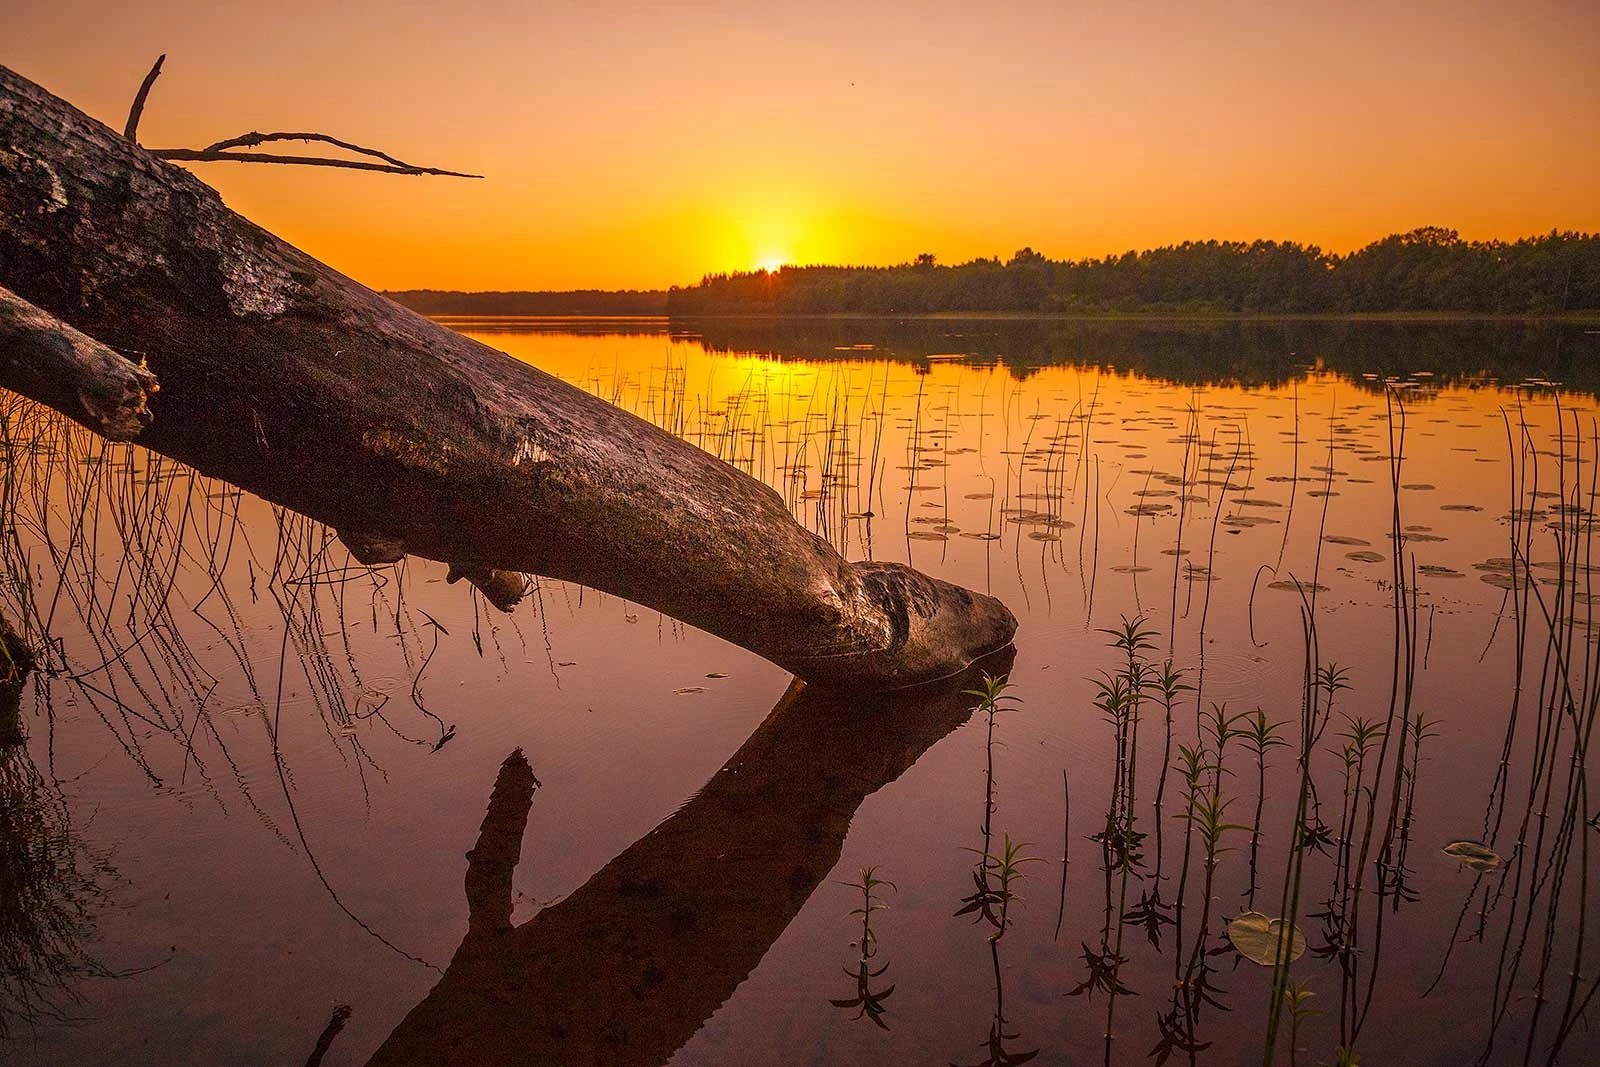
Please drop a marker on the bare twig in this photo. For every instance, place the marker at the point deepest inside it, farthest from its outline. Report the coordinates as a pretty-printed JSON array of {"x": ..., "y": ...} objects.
[
  {"x": 131, "y": 131},
  {"x": 219, "y": 152},
  {"x": 206, "y": 155},
  {"x": 255, "y": 139}
]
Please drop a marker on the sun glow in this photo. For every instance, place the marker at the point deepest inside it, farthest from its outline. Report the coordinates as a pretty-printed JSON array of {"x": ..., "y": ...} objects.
[{"x": 771, "y": 264}]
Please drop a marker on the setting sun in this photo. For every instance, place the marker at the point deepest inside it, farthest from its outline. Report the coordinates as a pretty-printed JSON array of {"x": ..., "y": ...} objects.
[{"x": 771, "y": 264}]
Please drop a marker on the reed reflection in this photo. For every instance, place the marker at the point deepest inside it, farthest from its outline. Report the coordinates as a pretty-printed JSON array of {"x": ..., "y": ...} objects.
[{"x": 52, "y": 883}]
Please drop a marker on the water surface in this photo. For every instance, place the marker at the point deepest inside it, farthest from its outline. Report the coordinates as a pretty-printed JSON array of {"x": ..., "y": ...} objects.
[{"x": 253, "y": 766}]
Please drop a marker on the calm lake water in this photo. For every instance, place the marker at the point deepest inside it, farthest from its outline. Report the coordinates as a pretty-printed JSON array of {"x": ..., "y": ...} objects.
[{"x": 1356, "y": 559}]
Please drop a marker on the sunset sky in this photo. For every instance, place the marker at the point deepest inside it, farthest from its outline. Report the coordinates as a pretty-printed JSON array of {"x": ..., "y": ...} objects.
[{"x": 644, "y": 145}]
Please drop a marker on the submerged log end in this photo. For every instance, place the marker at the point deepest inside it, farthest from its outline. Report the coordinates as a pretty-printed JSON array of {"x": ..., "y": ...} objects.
[
  {"x": 118, "y": 402},
  {"x": 934, "y": 630},
  {"x": 47, "y": 360}
]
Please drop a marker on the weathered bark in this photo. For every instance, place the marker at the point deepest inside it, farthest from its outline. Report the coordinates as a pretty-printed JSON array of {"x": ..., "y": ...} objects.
[
  {"x": 629, "y": 966},
  {"x": 282, "y": 376},
  {"x": 43, "y": 358}
]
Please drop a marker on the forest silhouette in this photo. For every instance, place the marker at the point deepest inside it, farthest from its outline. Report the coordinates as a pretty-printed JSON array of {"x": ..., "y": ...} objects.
[{"x": 1427, "y": 270}]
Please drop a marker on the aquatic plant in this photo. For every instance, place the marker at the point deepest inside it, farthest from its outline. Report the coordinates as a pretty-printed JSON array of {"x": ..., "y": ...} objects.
[{"x": 868, "y": 1002}]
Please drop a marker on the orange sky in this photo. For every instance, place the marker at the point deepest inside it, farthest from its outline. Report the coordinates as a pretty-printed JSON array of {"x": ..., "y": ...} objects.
[{"x": 643, "y": 145}]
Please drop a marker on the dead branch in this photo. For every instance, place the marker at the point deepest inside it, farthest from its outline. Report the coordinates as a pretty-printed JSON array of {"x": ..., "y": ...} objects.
[
  {"x": 47, "y": 360},
  {"x": 219, "y": 151},
  {"x": 205, "y": 155},
  {"x": 131, "y": 131},
  {"x": 255, "y": 139}
]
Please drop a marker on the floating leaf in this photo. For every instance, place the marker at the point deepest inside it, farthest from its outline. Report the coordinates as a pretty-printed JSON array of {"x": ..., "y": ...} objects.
[
  {"x": 1309, "y": 587},
  {"x": 1256, "y": 937},
  {"x": 1478, "y": 857}
]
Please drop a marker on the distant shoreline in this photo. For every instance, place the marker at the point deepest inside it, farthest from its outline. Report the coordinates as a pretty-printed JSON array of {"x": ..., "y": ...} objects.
[
  {"x": 1398, "y": 317},
  {"x": 1425, "y": 274}
]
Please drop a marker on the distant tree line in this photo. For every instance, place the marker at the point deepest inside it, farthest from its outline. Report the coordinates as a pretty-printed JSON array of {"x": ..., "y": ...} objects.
[
  {"x": 1426, "y": 270},
  {"x": 572, "y": 302}
]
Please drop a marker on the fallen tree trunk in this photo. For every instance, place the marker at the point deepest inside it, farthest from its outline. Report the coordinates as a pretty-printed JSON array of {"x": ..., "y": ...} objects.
[{"x": 288, "y": 379}]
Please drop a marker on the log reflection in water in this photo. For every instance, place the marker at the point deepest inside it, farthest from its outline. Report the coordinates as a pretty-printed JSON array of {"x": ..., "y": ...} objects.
[{"x": 627, "y": 968}]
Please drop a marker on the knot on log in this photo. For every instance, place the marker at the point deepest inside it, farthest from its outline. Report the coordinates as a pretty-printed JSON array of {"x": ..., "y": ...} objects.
[
  {"x": 370, "y": 548},
  {"x": 503, "y": 589}
]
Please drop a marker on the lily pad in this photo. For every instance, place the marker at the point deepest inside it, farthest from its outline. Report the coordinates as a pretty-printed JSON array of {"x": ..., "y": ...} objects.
[
  {"x": 1478, "y": 857},
  {"x": 1257, "y": 938}
]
